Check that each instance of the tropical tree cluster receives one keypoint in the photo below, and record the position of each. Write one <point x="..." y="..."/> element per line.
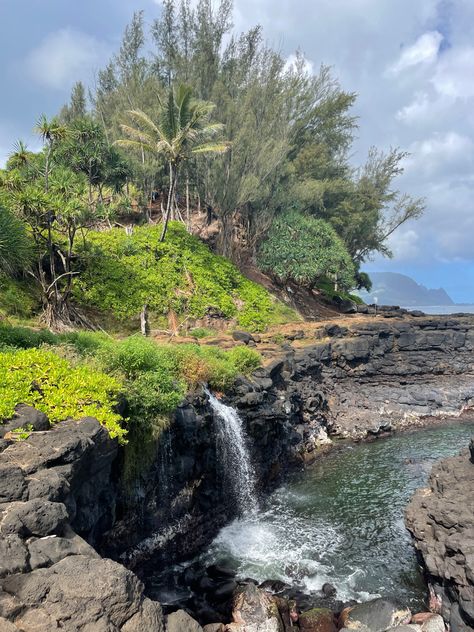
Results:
<point x="192" y="122"/>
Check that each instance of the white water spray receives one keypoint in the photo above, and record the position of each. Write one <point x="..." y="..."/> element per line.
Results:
<point x="234" y="457"/>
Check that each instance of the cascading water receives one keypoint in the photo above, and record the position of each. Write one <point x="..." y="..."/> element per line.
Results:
<point x="233" y="456"/>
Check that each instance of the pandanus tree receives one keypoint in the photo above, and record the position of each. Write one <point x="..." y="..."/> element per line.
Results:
<point x="52" y="132"/>
<point x="182" y="130"/>
<point x="52" y="219"/>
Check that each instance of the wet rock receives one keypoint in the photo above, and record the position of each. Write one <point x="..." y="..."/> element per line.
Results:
<point x="328" y="590"/>
<point x="180" y="621"/>
<point x="377" y="615"/>
<point x="317" y="620"/>
<point x="217" y="571"/>
<point x="224" y="591"/>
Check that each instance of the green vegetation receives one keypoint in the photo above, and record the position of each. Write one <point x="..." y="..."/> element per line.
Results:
<point x="306" y="250"/>
<point x="42" y="379"/>
<point x="180" y="275"/>
<point x="79" y="374"/>
<point x="181" y="131"/>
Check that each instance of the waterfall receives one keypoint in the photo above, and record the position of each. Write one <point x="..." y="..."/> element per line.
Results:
<point x="233" y="456"/>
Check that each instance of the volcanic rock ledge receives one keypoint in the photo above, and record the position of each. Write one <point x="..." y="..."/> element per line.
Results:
<point x="441" y="520"/>
<point x="56" y="496"/>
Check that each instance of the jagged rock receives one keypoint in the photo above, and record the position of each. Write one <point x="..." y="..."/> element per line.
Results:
<point x="441" y="521"/>
<point x="376" y="615"/>
<point x="13" y="555"/>
<point x="25" y="416"/>
<point x="180" y="621"/>
<point x="33" y="518"/>
<point x="214" y="627"/>
<point x="254" y="611"/>
<point x="79" y="593"/>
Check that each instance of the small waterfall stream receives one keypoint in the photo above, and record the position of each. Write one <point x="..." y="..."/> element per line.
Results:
<point x="233" y="456"/>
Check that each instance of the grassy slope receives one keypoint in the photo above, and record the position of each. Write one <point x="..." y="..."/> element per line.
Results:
<point x="180" y="280"/>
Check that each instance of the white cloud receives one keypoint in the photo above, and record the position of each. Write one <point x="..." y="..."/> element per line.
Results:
<point x="423" y="51"/>
<point x="440" y="153"/>
<point x="293" y="60"/>
<point x="454" y="75"/>
<point x="405" y="244"/>
<point x="63" y="57"/>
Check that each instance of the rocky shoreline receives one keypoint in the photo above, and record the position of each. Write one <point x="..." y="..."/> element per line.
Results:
<point x="441" y="520"/>
<point x="62" y="503"/>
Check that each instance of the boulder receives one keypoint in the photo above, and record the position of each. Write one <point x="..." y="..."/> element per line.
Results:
<point x="243" y="336"/>
<point x="318" y="620"/>
<point x="33" y="518"/>
<point x="180" y="621"/>
<point x="255" y="611"/>
<point x="376" y="615"/>
<point x="82" y="593"/>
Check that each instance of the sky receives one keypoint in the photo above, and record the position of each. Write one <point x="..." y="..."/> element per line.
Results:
<point x="410" y="61"/>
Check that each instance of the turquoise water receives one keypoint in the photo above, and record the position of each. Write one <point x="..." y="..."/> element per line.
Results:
<point x="342" y="519"/>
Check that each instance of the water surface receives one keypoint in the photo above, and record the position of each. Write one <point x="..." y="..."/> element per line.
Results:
<point x="342" y="519"/>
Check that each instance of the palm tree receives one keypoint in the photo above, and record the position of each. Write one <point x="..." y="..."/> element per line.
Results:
<point x="20" y="156"/>
<point x="51" y="132"/>
<point x="182" y="130"/>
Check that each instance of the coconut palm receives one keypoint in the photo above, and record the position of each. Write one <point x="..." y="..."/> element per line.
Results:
<point x="181" y="130"/>
<point x="51" y="131"/>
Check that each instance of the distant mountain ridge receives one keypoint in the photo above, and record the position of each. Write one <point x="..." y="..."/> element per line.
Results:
<point x="391" y="288"/>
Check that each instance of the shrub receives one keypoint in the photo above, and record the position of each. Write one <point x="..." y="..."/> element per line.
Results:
<point x="201" y="332"/>
<point x="244" y="359"/>
<point x="17" y="298"/>
<point x="304" y="249"/>
<point x="135" y="355"/>
<point x="42" y="379"/>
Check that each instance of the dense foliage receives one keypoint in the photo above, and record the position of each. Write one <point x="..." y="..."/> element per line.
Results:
<point x="81" y="374"/>
<point x="42" y="379"/>
<point x="180" y="275"/>
<point x="306" y="250"/>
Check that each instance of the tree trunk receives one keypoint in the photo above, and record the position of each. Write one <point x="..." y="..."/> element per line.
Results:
<point x="144" y="322"/>
<point x="169" y="203"/>
<point x="188" y="218"/>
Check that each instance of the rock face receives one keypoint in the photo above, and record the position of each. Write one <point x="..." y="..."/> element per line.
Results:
<point x="441" y="520"/>
<point x="359" y="381"/>
<point x="56" y="498"/>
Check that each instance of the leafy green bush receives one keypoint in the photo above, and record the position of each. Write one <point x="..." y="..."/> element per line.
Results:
<point x="201" y="332"/>
<point x="180" y="275"/>
<point x="49" y="383"/>
<point x="24" y="337"/>
<point x="244" y="359"/>
<point x="17" y="298"/>
<point x="304" y="249"/>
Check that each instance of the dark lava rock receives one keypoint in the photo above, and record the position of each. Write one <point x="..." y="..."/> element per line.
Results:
<point x="441" y="521"/>
<point x="83" y="593"/>
<point x="243" y="336"/>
